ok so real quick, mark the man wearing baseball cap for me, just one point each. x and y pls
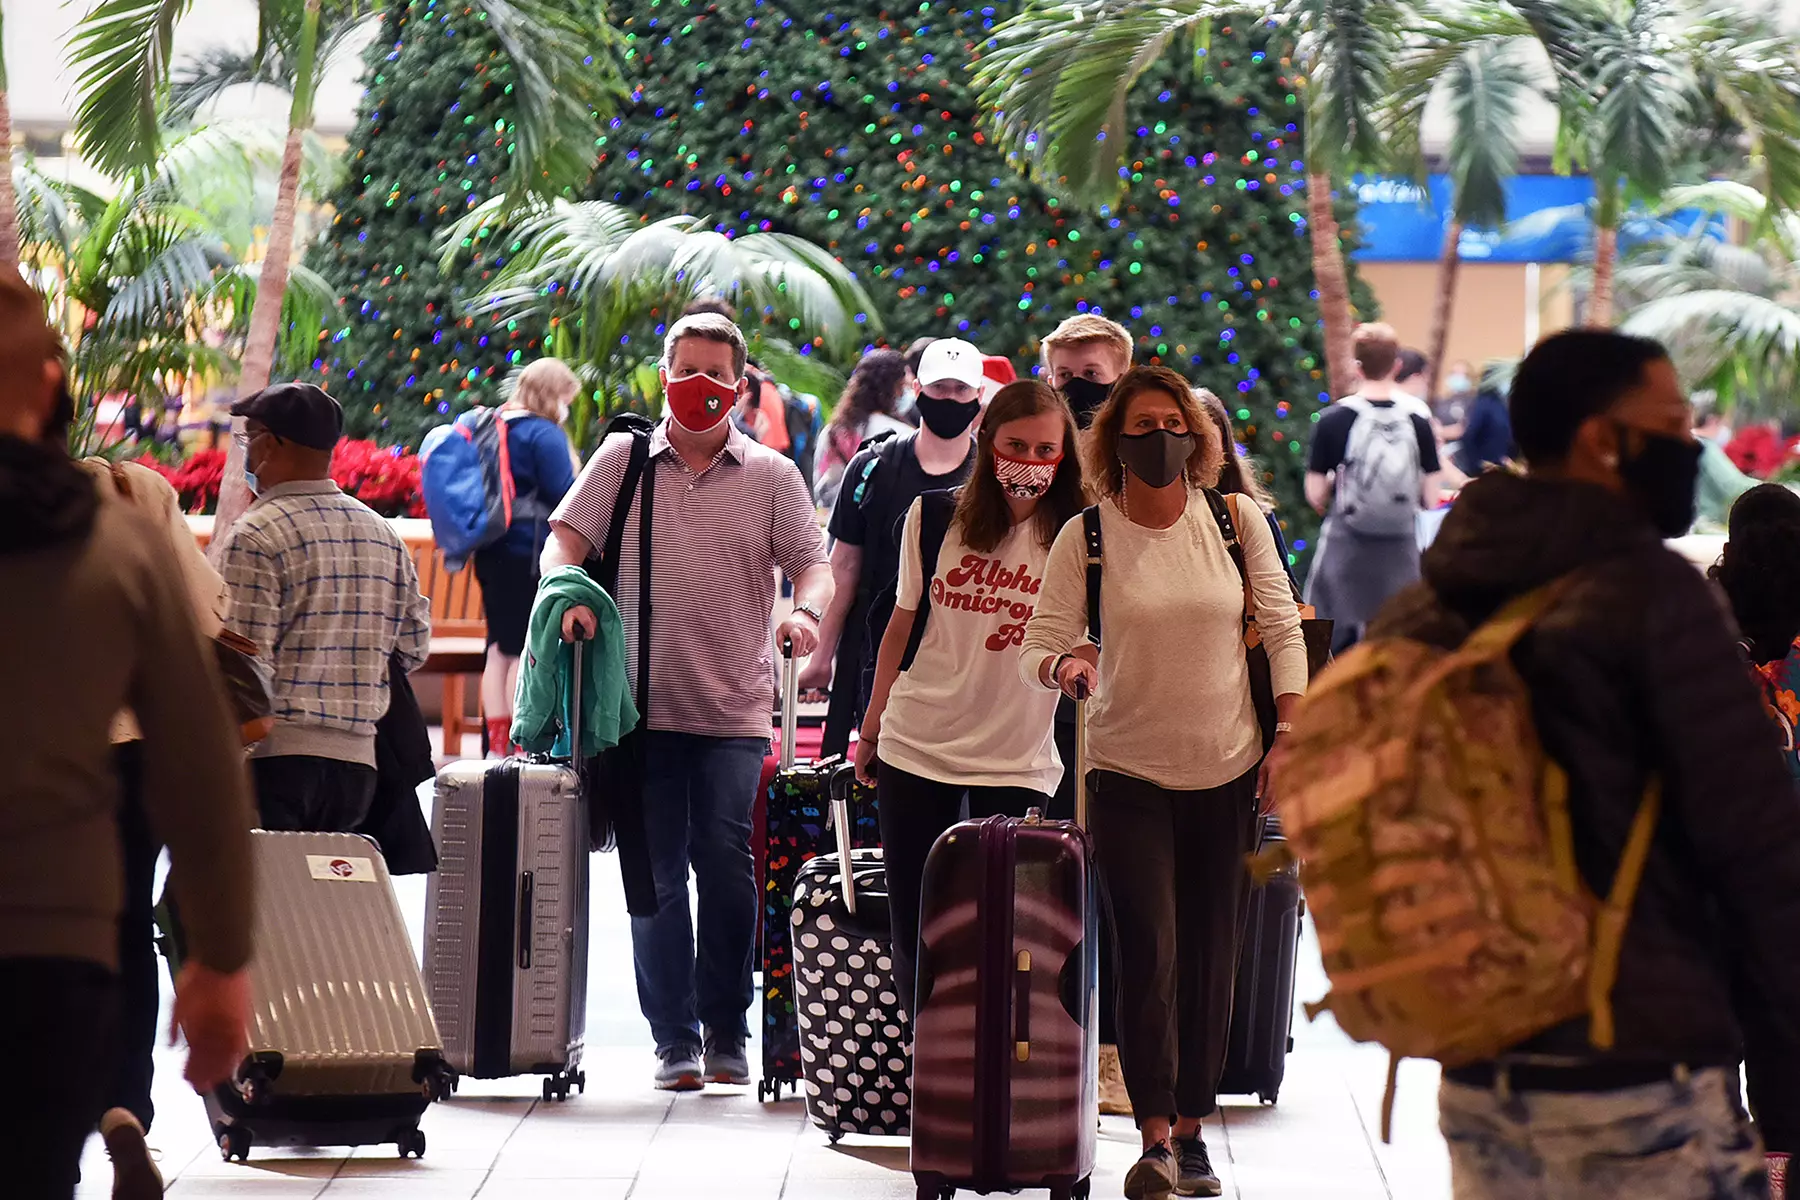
(328, 592)
(880, 484)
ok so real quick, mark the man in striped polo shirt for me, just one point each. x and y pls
(725, 513)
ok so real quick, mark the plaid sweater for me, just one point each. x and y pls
(327, 591)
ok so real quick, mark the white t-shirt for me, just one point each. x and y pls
(961, 714)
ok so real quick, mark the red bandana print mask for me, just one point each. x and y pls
(1026, 478)
(699, 402)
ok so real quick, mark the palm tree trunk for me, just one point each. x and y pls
(1333, 281)
(1606, 256)
(1449, 266)
(9, 200)
(271, 285)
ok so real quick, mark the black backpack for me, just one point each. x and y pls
(936, 510)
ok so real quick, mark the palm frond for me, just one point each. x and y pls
(121, 54)
(1348, 48)
(50, 211)
(1488, 87)
(565, 77)
(1054, 81)
(1752, 69)
(1730, 337)
(199, 82)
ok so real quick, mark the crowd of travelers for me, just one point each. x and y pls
(1099, 536)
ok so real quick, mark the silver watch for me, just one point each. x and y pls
(809, 610)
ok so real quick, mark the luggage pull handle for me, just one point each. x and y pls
(842, 780)
(1081, 753)
(790, 703)
(572, 718)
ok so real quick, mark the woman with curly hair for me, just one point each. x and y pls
(866, 409)
(1760, 575)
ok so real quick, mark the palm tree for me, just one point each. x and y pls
(1060, 75)
(606, 282)
(9, 200)
(1633, 81)
(563, 73)
(1488, 85)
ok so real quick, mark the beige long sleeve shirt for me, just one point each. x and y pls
(1173, 703)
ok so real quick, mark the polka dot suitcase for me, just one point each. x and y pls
(854, 1039)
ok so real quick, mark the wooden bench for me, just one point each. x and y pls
(458, 626)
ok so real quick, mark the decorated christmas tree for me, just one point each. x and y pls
(856, 127)
(431, 141)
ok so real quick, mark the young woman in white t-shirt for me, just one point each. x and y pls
(959, 721)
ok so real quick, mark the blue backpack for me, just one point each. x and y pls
(465, 472)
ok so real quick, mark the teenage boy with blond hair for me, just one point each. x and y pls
(1083, 358)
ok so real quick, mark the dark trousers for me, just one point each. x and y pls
(301, 794)
(56, 1043)
(698, 796)
(914, 811)
(140, 992)
(1173, 866)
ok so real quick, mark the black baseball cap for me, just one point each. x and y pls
(302, 413)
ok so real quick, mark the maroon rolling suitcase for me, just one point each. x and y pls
(1008, 982)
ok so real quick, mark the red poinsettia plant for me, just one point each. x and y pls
(386, 478)
(196, 481)
(1759, 450)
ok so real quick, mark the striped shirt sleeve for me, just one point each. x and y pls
(253, 591)
(587, 509)
(413, 644)
(799, 544)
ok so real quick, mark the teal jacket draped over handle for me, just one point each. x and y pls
(543, 702)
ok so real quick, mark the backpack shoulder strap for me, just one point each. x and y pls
(640, 451)
(936, 510)
(615, 532)
(1224, 512)
(1090, 528)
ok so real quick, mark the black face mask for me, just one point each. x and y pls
(947, 418)
(1085, 397)
(1158, 457)
(1662, 475)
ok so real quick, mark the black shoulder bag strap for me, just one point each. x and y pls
(1221, 511)
(626, 801)
(1090, 526)
(936, 510)
(615, 530)
(1256, 655)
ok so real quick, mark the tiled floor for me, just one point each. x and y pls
(624, 1141)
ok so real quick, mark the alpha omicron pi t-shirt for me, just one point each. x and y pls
(961, 714)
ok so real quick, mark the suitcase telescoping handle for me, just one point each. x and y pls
(1081, 754)
(842, 780)
(577, 652)
(790, 703)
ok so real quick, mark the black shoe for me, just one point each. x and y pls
(1193, 1168)
(1152, 1176)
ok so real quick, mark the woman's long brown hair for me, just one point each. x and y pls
(982, 513)
(1239, 473)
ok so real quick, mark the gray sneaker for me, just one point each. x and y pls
(1194, 1174)
(726, 1061)
(679, 1069)
(1152, 1177)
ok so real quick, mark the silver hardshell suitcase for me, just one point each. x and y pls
(506, 920)
(343, 1050)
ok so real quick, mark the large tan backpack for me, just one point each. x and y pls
(1438, 856)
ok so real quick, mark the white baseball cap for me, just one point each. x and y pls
(951, 359)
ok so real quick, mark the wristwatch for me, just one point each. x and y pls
(817, 616)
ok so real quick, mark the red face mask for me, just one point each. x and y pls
(699, 402)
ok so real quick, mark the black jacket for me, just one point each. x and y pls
(402, 762)
(1634, 672)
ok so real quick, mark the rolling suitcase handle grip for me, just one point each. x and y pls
(573, 716)
(790, 703)
(842, 780)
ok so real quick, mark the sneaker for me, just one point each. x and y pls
(135, 1176)
(1152, 1176)
(679, 1070)
(1115, 1101)
(726, 1061)
(1194, 1174)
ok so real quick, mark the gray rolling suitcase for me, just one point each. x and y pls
(506, 920)
(343, 1050)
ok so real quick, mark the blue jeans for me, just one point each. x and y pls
(1663, 1141)
(698, 797)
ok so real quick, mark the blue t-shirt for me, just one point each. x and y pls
(543, 470)
(1487, 437)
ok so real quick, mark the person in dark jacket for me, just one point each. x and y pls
(1634, 678)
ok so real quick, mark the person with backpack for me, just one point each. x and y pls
(879, 486)
(709, 518)
(949, 717)
(866, 410)
(1372, 469)
(1144, 606)
(1612, 758)
(543, 470)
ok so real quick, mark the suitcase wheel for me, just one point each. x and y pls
(234, 1142)
(411, 1143)
(932, 1191)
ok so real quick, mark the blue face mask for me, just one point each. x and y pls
(251, 483)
